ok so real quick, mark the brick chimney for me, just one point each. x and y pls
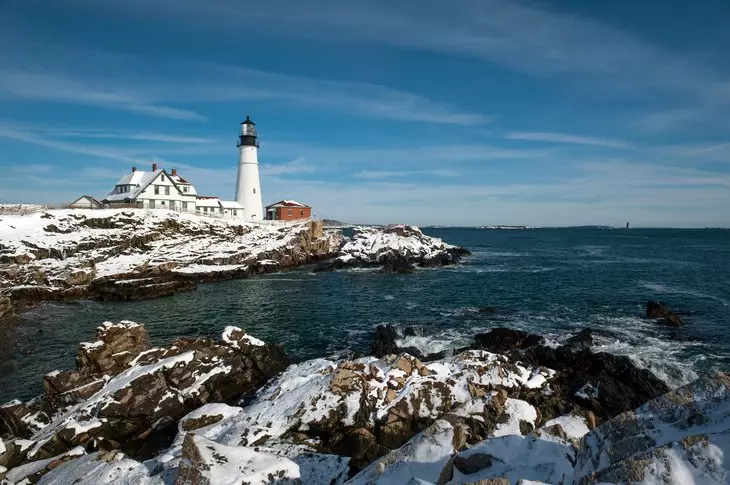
(134, 169)
(174, 172)
(154, 167)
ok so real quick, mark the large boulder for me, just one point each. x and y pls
(205, 462)
(603, 383)
(366, 407)
(506, 339)
(116, 345)
(107, 467)
(661, 313)
(130, 396)
(397, 248)
(679, 437)
(385, 341)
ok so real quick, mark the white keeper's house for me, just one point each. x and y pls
(160, 189)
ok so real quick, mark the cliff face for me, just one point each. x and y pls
(134, 254)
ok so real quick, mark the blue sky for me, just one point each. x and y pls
(460, 113)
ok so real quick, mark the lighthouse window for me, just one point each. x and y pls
(254, 191)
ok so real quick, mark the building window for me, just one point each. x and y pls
(157, 190)
(289, 212)
(185, 206)
(301, 212)
(234, 212)
(185, 188)
(167, 190)
(152, 204)
(162, 202)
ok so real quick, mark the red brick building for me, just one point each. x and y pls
(288, 210)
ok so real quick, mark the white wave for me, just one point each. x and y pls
(388, 297)
(592, 250)
(432, 344)
(673, 290)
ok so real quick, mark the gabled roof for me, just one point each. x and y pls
(140, 180)
(176, 179)
(92, 199)
(287, 203)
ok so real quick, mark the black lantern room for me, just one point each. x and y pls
(248, 134)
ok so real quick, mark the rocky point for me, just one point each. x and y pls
(236, 410)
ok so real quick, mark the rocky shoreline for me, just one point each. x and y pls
(236, 410)
(135, 254)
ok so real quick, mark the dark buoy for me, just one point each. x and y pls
(627, 225)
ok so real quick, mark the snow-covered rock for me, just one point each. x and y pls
(102, 468)
(197, 413)
(395, 247)
(206, 462)
(365, 407)
(137, 393)
(680, 437)
(132, 254)
(31, 472)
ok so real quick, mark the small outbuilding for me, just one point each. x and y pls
(288, 210)
(85, 202)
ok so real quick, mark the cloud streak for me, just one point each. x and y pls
(565, 138)
(39, 85)
(121, 88)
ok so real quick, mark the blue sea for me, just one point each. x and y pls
(549, 281)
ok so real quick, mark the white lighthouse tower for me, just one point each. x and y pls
(248, 186)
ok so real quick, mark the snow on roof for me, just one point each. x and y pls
(178, 179)
(286, 203)
(230, 204)
(139, 181)
(207, 201)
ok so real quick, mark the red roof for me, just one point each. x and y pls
(287, 203)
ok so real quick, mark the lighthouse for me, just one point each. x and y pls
(248, 186)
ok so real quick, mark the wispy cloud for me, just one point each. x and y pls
(296, 166)
(83, 149)
(386, 174)
(584, 52)
(140, 136)
(120, 86)
(706, 149)
(569, 139)
(498, 31)
(671, 120)
(50, 86)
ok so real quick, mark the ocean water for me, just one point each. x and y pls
(549, 281)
